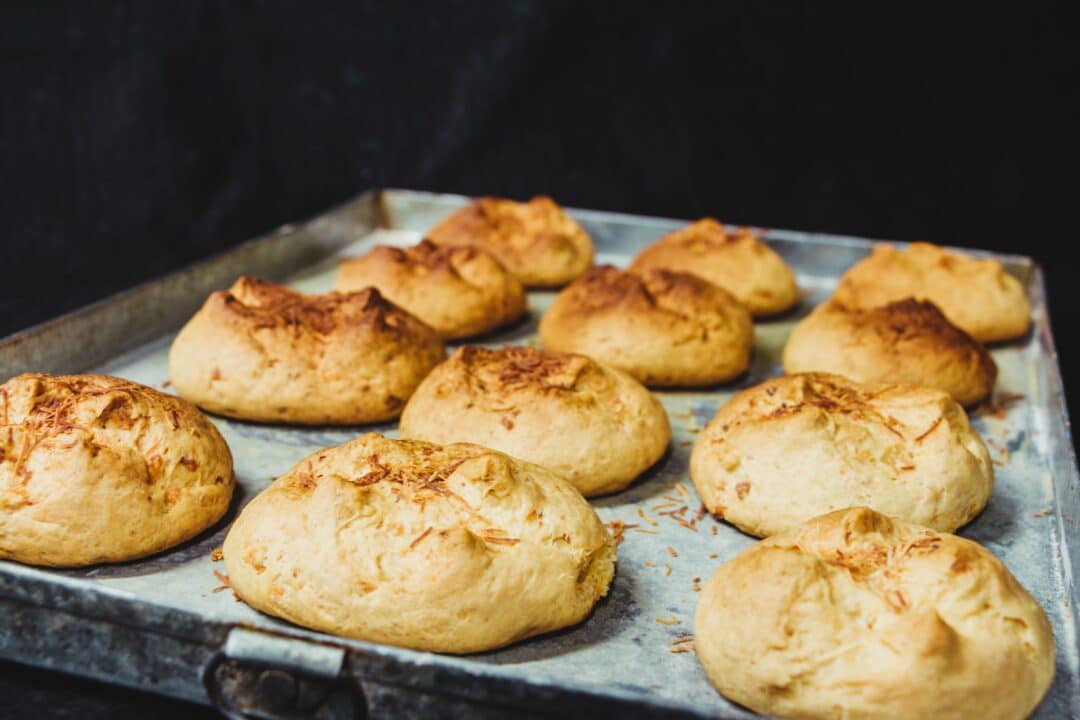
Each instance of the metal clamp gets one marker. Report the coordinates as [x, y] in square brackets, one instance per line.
[257, 675]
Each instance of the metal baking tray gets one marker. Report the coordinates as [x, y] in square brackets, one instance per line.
[166, 625]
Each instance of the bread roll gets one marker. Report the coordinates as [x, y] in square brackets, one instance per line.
[856, 615]
[459, 291]
[667, 329]
[597, 427]
[907, 342]
[977, 296]
[95, 469]
[453, 549]
[535, 240]
[260, 351]
[799, 446]
[733, 258]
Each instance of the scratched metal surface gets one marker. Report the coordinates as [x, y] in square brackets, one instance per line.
[625, 647]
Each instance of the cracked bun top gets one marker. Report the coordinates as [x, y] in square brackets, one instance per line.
[96, 469]
[261, 351]
[799, 446]
[908, 341]
[736, 259]
[453, 549]
[860, 615]
[459, 291]
[665, 328]
[535, 240]
[595, 426]
[977, 296]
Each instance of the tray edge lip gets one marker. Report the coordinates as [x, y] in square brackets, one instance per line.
[1058, 409]
[112, 600]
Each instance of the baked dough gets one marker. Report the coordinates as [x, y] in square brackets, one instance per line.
[260, 351]
[665, 328]
[535, 240]
[459, 291]
[597, 427]
[907, 342]
[855, 615]
[799, 446]
[453, 549]
[96, 469]
[978, 296]
[733, 258]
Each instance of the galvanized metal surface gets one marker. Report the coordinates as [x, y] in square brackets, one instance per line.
[169, 615]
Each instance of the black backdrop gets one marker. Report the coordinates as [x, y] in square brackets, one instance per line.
[136, 137]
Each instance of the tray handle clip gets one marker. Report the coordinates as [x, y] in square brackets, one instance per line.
[258, 675]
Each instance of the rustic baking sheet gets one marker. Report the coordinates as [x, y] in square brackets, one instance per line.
[634, 645]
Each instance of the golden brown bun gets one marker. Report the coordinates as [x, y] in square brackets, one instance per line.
[799, 446]
[536, 241]
[977, 296]
[260, 351]
[733, 258]
[597, 427]
[664, 328]
[459, 291]
[97, 469]
[452, 549]
[858, 616]
[907, 342]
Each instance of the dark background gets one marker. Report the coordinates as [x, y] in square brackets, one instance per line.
[136, 137]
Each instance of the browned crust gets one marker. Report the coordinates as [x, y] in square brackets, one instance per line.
[665, 328]
[676, 294]
[261, 304]
[424, 474]
[910, 320]
[824, 391]
[908, 341]
[515, 367]
[709, 233]
[425, 254]
[460, 291]
[535, 240]
[734, 258]
[50, 405]
[977, 295]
